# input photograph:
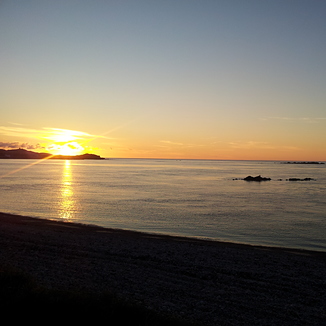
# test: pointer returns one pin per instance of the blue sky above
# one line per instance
(153, 74)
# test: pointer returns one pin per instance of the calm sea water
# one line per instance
(188, 197)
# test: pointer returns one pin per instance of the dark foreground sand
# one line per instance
(209, 282)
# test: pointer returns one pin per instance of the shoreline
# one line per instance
(170, 236)
(163, 236)
(205, 281)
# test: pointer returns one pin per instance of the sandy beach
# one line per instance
(209, 282)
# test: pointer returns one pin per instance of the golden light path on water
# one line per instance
(67, 205)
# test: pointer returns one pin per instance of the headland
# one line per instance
(25, 154)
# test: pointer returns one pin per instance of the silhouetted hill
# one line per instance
(78, 157)
(25, 154)
(22, 154)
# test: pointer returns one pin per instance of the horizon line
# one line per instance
(176, 158)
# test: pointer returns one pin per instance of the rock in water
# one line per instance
(298, 179)
(258, 178)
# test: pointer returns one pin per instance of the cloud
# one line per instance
(9, 145)
(250, 145)
(261, 146)
(16, 145)
(19, 132)
(171, 142)
(302, 119)
(53, 134)
(16, 123)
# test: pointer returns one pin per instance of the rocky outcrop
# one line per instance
(258, 178)
(298, 179)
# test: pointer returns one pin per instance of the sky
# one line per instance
(180, 79)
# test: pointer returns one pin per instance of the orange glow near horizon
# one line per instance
(223, 151)
(133, 142)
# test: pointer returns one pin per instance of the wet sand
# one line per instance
(211, 282)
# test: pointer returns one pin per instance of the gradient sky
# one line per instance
(165, 79)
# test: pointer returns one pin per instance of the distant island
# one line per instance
(25, 154)
(302, 162)
(260, 178)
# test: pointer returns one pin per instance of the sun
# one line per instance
(67, 149)
(71, 148)
(65, 142)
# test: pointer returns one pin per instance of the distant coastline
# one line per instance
(25, 154)
(313, 162)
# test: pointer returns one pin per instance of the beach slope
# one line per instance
(209, 282)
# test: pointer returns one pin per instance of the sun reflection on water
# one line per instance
(67, 201)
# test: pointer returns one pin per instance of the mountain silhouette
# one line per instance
(25, 154)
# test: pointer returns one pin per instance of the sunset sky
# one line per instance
(233, 79)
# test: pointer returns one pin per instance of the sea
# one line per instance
(193, 198)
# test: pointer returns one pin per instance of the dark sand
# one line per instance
(210, 282)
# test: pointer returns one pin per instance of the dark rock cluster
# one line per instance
(298, 179)
(259, 178)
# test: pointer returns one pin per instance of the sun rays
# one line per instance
(52, 140)
(66, 142)
(25, 166)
